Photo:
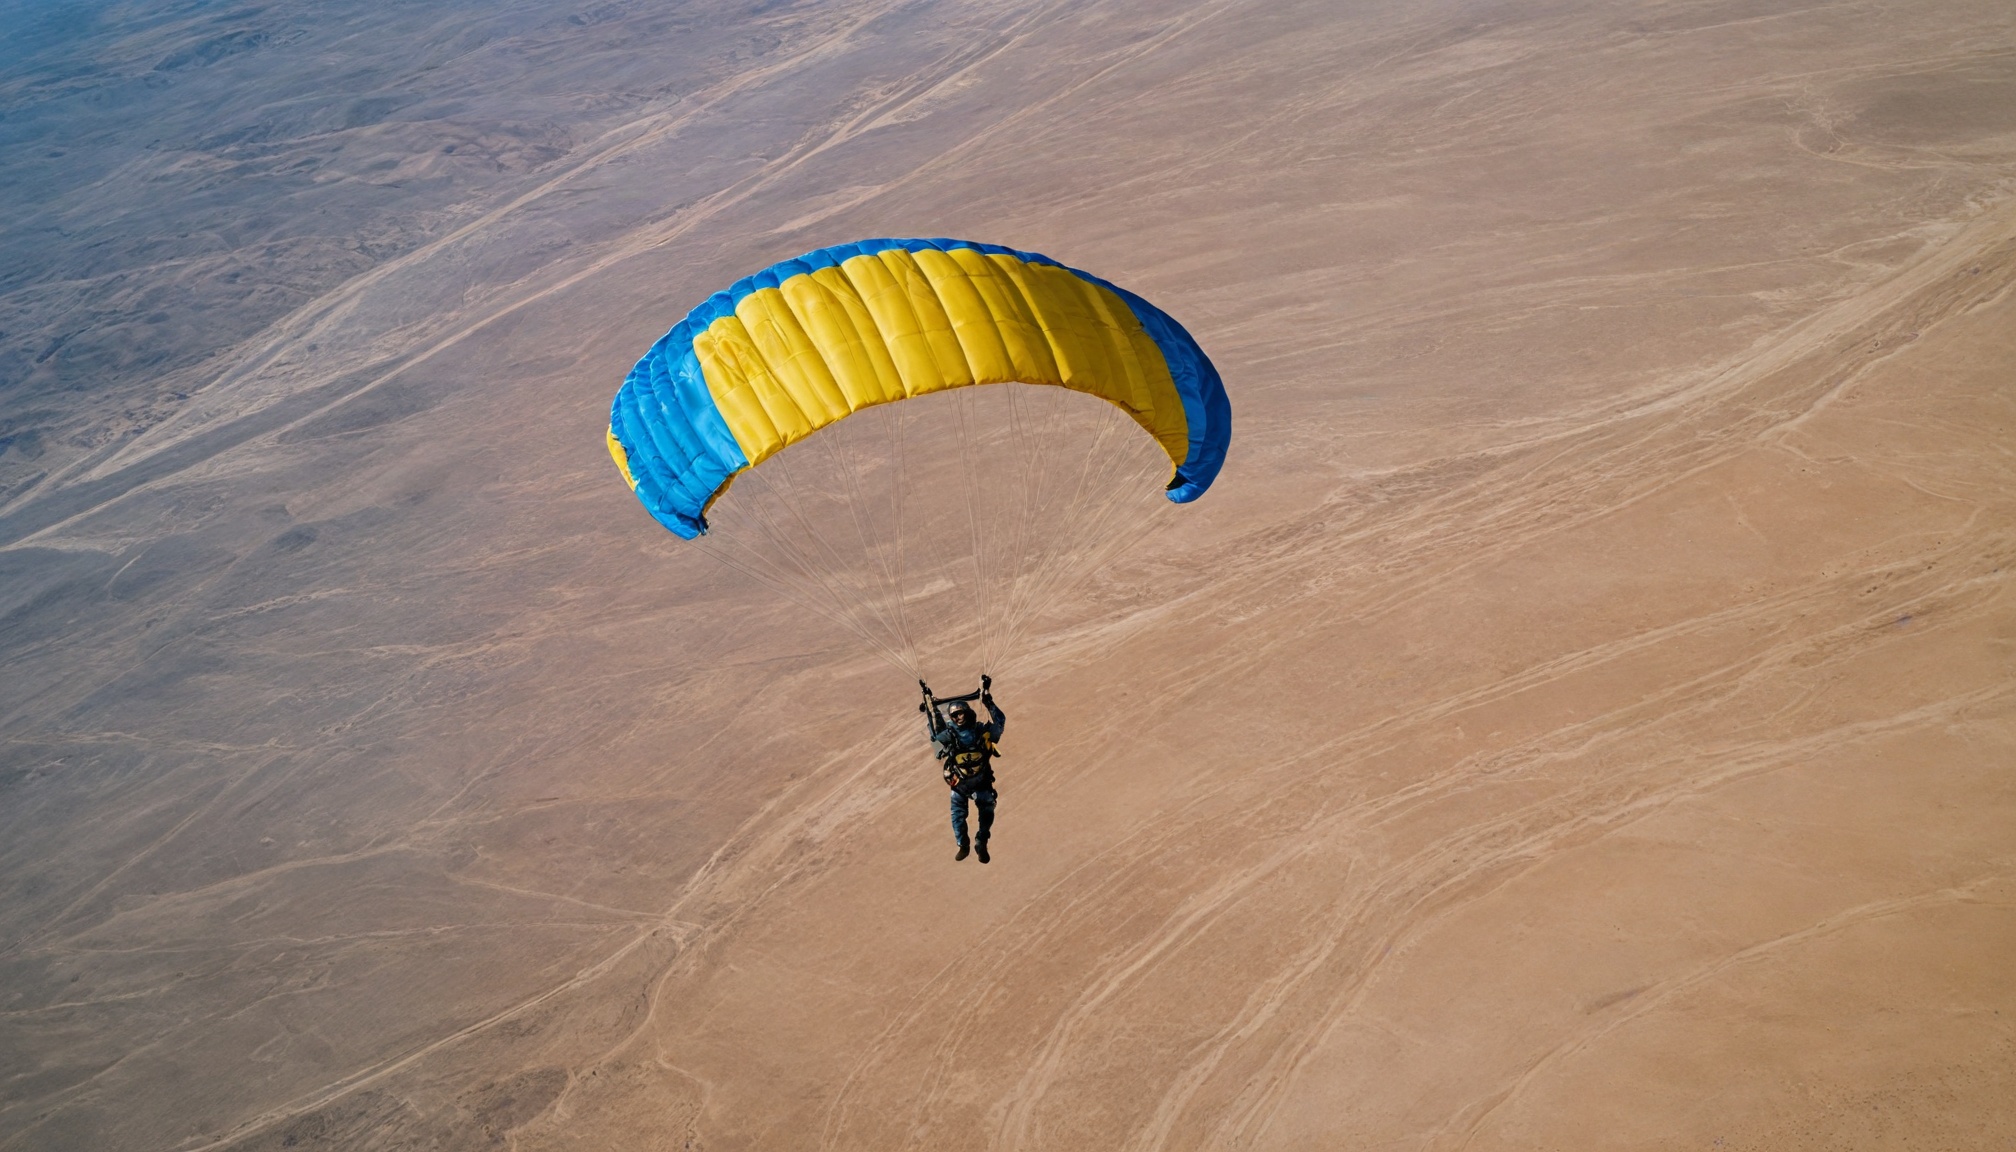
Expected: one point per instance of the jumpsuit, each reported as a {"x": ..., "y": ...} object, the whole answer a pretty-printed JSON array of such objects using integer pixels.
[{"x": 977, "y": 784}]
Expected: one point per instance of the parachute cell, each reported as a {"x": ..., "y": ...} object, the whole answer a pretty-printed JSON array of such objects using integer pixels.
[{"x": 811, "y": 341}]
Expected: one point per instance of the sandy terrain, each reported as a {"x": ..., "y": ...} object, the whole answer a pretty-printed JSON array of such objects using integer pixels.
[{"x": 1582, "y": 716}]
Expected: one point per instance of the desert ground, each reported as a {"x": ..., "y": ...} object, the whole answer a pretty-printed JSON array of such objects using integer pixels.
[{"x": 1582, "y": 716}]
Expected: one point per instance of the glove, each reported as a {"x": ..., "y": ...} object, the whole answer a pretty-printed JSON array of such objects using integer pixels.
[{"x": 986, "y": 682}]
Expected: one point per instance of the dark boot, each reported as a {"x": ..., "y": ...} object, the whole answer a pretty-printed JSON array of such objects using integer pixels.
[
  {"x": 981, "y": 848},
  {"x": 963, "y": 850}
]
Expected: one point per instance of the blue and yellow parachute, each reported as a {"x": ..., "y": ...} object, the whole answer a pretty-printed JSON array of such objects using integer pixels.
[{"x": 811, "y": 341}]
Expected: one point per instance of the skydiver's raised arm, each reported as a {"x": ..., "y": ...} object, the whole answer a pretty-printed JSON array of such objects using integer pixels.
[{"x": 934, "y": 723}]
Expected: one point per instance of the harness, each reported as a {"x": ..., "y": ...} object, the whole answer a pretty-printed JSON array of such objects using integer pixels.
[{"x": 963, "y": 764}]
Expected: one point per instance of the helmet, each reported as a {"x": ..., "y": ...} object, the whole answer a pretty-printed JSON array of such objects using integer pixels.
[{"x": 959, "y": 708}]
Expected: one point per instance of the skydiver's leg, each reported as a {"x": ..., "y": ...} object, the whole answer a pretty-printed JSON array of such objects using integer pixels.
[
  {"x": 984, "y": 801},
  {"x": 959, "y": 821}
]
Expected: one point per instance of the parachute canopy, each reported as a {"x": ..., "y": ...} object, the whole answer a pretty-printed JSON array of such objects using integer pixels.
[{"x": 811, "y": 341}]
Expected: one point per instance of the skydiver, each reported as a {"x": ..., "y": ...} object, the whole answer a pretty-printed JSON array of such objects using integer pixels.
[{"x": 967, "y": 750}]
